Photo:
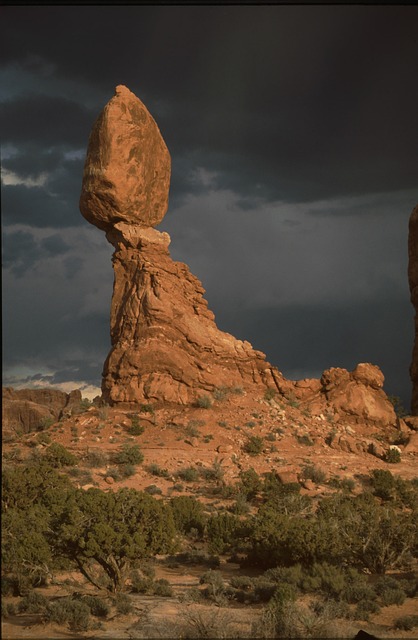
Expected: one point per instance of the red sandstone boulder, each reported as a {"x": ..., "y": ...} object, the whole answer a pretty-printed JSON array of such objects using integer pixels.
[{"x": 127, "y": 169}]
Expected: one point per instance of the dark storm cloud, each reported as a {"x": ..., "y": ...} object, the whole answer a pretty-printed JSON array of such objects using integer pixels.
[
  {"x": 45, "y": 120},
  {"x": 37, "y": 207},
  {"x": 21, "y": 250}
]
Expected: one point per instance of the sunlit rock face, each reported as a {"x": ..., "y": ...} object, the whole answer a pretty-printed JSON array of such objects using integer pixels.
[
  {"x": 127, "y": 169},
  {"x": 413, "y": 286}
]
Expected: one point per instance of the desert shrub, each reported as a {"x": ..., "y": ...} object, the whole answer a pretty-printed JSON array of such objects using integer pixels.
[
  {"x": 129, "y": 454},
  {"x": 123, "y": 604},
  {"x": 389, "y": 591},
  {"x": 45, "y": 423},
  {"x": 163, "y": 588},
  {"x": 33, "y": 602},
  {"x": 406, "y": 623},
  {"x": 245, "y": 583},
  {"x": 147, "y": 408},
  {"x": 58, "y": 456},
  {"x": 204, "y": 402},
  {"x": 127, "y": 470},
  {"x": 291, "y": 575},
  {"x": 249, "y": 483},
  {"x": 188, "y": 474},
  {"x": 269, "y": 394},
  {"x": 222, "y": 531},
  {"x": 254, "y": 445},
  {"x": 393, "y": 455},
  {"x": 241, "y": 506},
  {"x": 220, "y": 393},
  {"x": 153, "y": 490},
  {"x": 136, "y": 429},
  {"x": 214, "y": 473},
  {"x": 312, "y": 472},
  {"x": 215, "y": 584},
  {"x": 155, "y": 470},
  {"x": 43, "y": 438},
  {"x": 72, "y": 612},
  {"x": 305, "y": 440},
  {"x": 383, "y": 483},
  {"x": 96, "y": 459},
  {"x": 188, "y": 514},
  {"x": 97, "y": 606},
  {"x": 365, "y": 608}
]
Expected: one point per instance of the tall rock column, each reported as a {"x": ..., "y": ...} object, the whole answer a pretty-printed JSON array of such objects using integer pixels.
[
  {"x": 165, "y": 343},
  {"x": 413, "y": 285}
]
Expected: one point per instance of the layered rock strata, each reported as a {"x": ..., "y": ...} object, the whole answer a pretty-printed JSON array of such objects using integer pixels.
[{"x": 413, "y": 286}]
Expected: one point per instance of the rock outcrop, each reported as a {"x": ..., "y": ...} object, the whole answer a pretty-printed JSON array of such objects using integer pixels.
[
  {"x": 165, "y": 343},
  {"x": 127, "y": 170},
  {"x": 413, "y": 286},
  {"x": 26, "y": 410}
]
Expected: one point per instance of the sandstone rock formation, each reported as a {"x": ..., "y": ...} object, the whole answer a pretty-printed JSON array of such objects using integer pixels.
[
  {"x": 413, "y": 286},
  {"x": 25, "y": 410},
  {"x": 165, "y": 343},
  {"x": 127, "y": 170}
]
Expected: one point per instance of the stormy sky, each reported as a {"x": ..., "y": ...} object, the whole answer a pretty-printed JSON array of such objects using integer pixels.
[{"x": 293, "y": 133}]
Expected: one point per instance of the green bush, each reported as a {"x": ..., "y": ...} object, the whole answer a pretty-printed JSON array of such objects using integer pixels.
[
  {"x": 188, "y": 474},
  {"x": 127, "y": 470},
  {"x": 123, "y": 604},
  {"x": 249, "y": 483},
  {"x": 155, "y": 470},
  {"x": 365, "y": 608},
  {"x": 406, "y": 623},
  {"x": 389, "y": 591},
  {"x": 254, "y": 445},
  {"x": 312, "y": 472},
  {"x": 58, "y": 456},
  {"x": 153, "y": 490},
  {"x": 204, "y": 402},
  {"x": 269, "y": 394},
  {"x": 163, "y": 588},
  {"x": 383, "y": 483},
  {"x": 33, "y": 603},
  {"x": 136, "y": 429},
  {"x": 72, "y": 612},
  {"x": 188, "y": 514},
  {"x": 97, "y": 606},
  {"x": 96, "y": 459},
  {"x": 393, "y": 456},
  {"x": 222, "y": 531},
  {"x": 129, "y": 454}
]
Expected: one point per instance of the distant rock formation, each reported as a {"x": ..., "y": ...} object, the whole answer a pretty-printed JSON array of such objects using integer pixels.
[
  {"x": 26, "y": 410},
  {"x": 413, "y": 286},
  {"x": 165, "y": 343}
]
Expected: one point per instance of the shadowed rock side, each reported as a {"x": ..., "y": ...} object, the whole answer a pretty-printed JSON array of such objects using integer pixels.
[
  {"x": 413, "y": 286},
  {"x": 165, "y": 343}
]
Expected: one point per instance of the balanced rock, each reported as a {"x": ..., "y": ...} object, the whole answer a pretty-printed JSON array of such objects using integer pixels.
[
  {"x": 165, "y": 343},
  {"x": 127, "y": 169},
  {"x": 413, "y": 286}
]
